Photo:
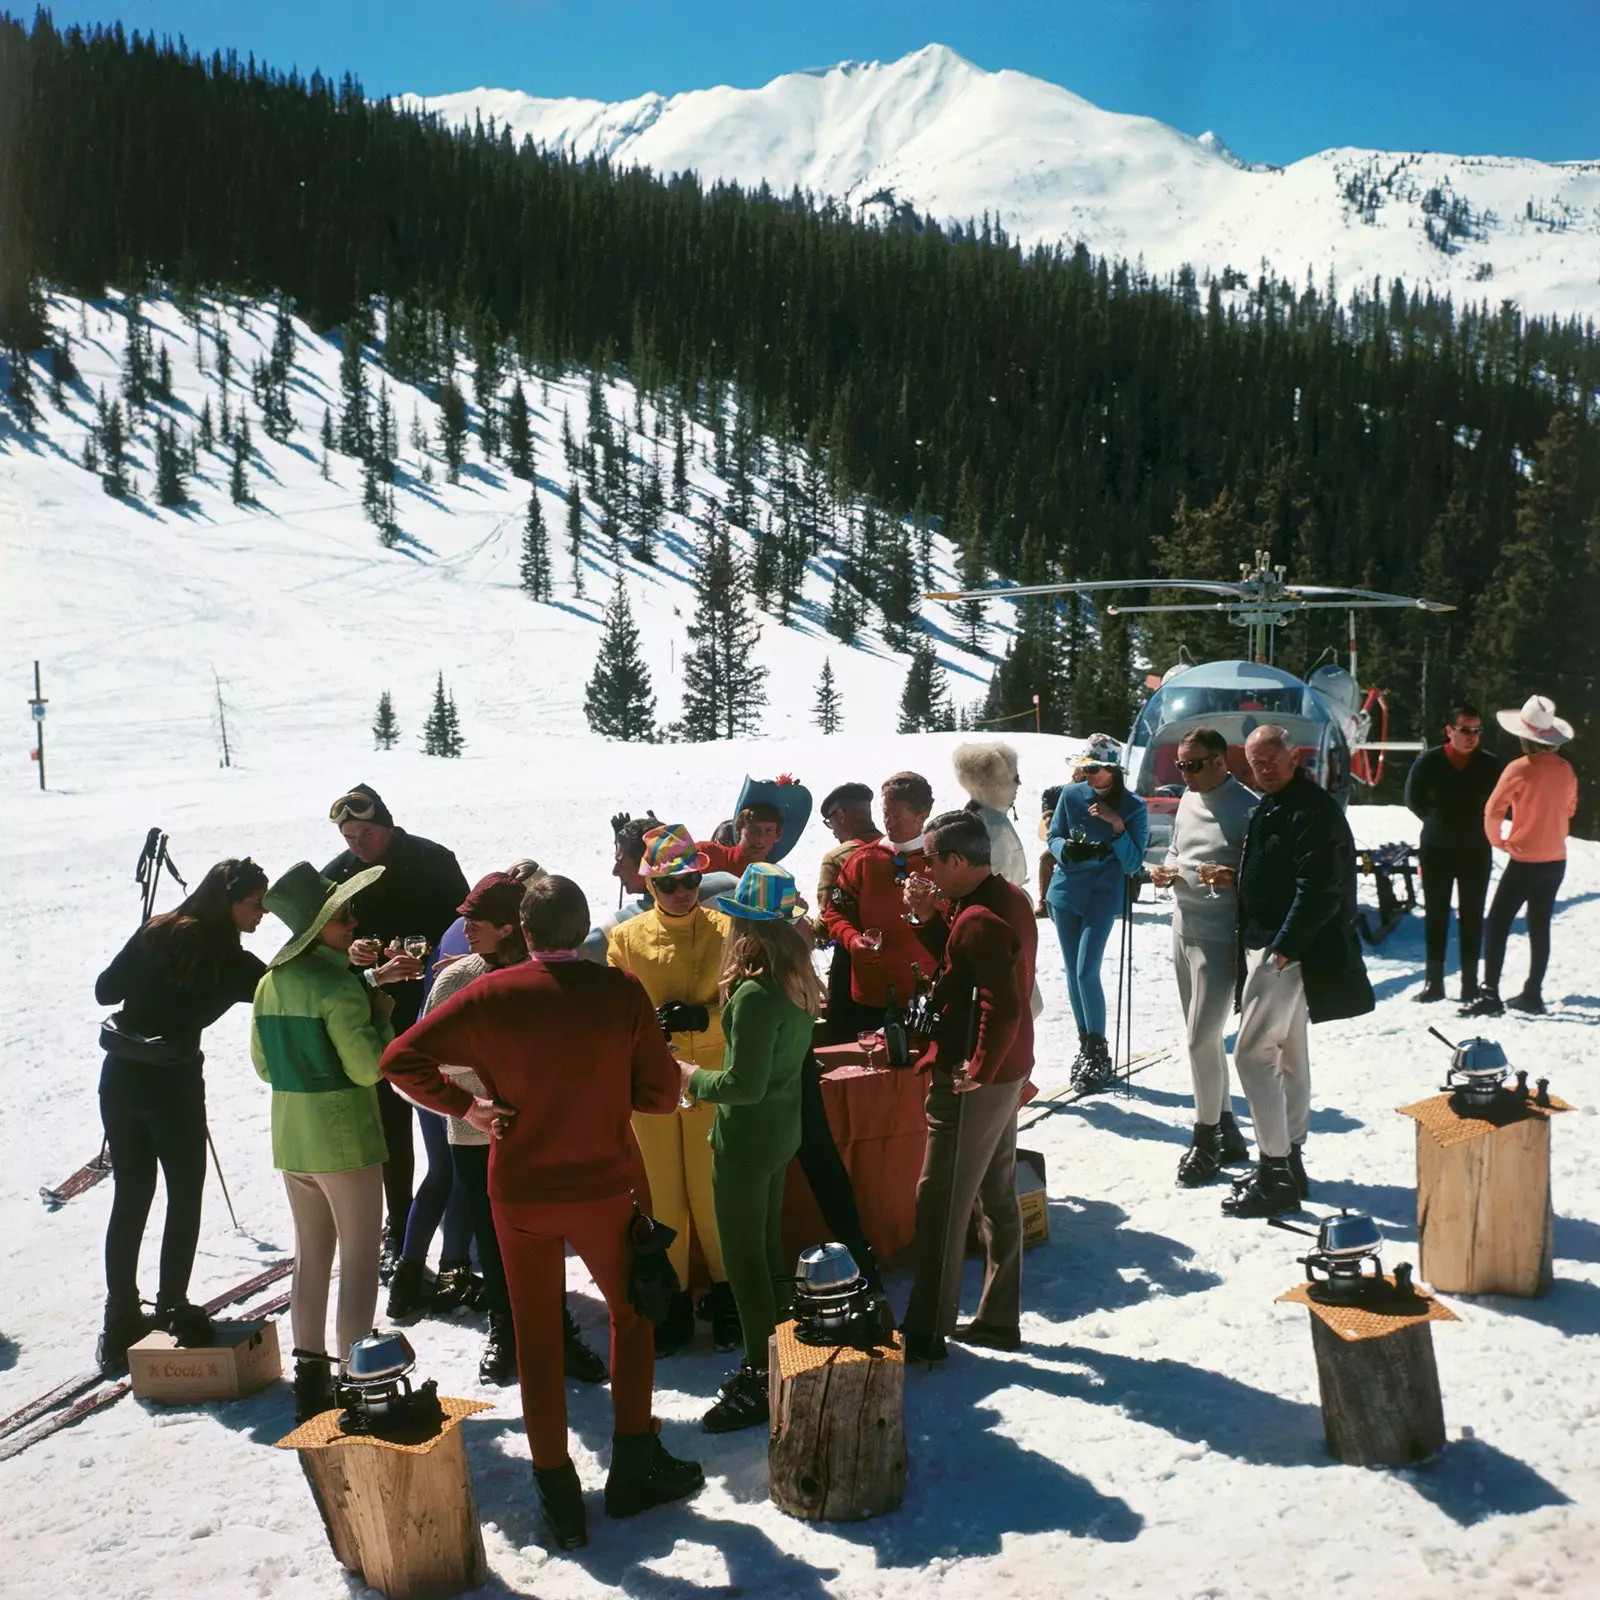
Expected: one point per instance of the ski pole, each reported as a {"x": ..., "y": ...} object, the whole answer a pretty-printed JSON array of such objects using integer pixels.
[{"x": 212, "y": 1144}]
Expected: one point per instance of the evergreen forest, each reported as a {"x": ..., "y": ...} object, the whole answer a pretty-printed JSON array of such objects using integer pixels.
[{"x": 1058, "y": 416}]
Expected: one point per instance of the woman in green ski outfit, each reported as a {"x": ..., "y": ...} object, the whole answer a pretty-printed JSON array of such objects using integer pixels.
[
  {"x": 771, "y": 996},
  {"x": 316, "y": 1035}
]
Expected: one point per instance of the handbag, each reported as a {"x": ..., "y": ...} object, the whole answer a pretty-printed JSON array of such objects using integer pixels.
[
  {"x": 147, "y": 1050},
  {"x": 652, "y": 1282}
]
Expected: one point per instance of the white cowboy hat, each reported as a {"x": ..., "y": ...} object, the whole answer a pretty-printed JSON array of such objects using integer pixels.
[{"x": 1537, "y": 720}]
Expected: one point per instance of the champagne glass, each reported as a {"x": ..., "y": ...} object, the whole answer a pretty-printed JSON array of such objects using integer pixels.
[
  {"x": 871, "y": 939},
  {"x": 416, "y": 945},
  {"x": 1207, "y": 872}
]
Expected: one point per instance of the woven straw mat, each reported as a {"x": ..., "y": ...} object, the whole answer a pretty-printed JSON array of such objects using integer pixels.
[
  {"x": 795, "y": 1357},
  {"x": 1355, "y": 1323},
  {"x": 322, "y": 1432},
  {"x": 1448, "y": 1127}
]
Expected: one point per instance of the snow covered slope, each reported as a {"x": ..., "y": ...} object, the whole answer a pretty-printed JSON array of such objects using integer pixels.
[{"x": 952, "y": 141}]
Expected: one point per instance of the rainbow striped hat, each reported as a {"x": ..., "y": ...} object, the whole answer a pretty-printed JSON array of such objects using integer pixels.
[
  {"x": 764, "y": 894},
  {"x": 670, "y": 852}
]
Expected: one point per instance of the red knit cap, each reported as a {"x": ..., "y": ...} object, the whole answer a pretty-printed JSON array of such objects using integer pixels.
[{"x": 495, "y": 898}]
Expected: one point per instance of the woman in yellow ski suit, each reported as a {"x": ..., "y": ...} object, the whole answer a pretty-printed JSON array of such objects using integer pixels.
[{"x": 675, "y": 950}]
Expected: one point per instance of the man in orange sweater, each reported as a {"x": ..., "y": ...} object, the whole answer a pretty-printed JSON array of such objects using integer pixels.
[
  {"x": 1539, "y": 790},
  {"x": 568, "y": 1052}
]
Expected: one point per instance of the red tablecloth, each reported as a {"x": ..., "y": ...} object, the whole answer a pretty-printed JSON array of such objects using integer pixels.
[{"x": 879, "y": 1125}]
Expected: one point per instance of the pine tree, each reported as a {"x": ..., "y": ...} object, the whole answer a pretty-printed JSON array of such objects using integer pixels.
[
  {"x": 208, "y": 434},
  {"x": 355, "y": 424},
  {"x": 170, "y": 487},
  {"x": 680, "y": 470},
  {"x": 618, "y": 702},
  {"x": 535, "y": 552},
  {"x": 385, "y": 726},
  {"x": 826, "y": 711},
  {"x": 575, "y": 535},
  {"x": 453, "y": 741},
  {"x": 896, "y": 588},
  {"x": 971, "y": 574},
  {"x": 238, "y": 479},
  {"x": 723, "y": 693},
  {"x": 162, "y": 387},
  {"x": 436, "y": 729},
  {"x": 519, "y": 434},
  {"x": 112, "y": 442},
  {"x": 844, "y": 609},
  {"x": 452, "y": 429},
  {"x": 385, "y": 444},
  {"x": 488, "y": 373},
  {"x": 22, "y": 390},
  {"x": 135, "y": 357},
  {"x": 924, "y": 707}
]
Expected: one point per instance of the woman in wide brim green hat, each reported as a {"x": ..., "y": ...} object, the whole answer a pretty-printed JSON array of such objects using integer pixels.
[
  {"x": 771, "y": 996},
  {"x": 316, "y": 1035}
]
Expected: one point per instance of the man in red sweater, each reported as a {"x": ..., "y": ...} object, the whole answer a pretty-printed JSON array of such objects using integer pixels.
[
  {"x": 869, "y": 895},
  {"x": 980, "y": 1058},
  {"x": 759, "y": 827},
  {"x": 568, "y": 1052}
]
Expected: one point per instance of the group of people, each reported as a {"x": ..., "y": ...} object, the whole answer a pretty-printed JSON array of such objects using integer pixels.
[{"x": 550, "y": 1054}]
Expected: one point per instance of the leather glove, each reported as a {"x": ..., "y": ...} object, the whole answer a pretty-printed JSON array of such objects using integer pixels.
[{"x": 678, "y": 1016}]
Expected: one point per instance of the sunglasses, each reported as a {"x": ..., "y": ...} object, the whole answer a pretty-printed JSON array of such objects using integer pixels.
[
  {"x": 353, "y": 808},
  {"x": 678, "y": 883},
  {"x": 1100, "y": 766},
  {"x": 1470, "y": 732},
  {"x": 1194, "y": 766}
]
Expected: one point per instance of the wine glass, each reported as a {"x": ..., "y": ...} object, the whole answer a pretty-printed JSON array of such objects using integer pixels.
[
  {"x": 416, "y": 945},
  {"x": 871, "y": 939},
  {"x": 1207, "y": 872}
]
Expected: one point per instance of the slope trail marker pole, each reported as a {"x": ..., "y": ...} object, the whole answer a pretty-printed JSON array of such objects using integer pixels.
[{"x": 37, "y": 705}]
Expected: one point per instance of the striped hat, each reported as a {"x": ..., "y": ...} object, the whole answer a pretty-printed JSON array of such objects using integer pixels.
[
  {"x": 764, "y": 894},
  {"x": 670, "y": 852}
]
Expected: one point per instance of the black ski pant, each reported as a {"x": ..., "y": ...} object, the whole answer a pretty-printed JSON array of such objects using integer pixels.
[
  {"x": 826, "y": 1172},
  {"x": 153, "y": 1116},
  {"x": 399, "y": 1171},
  {"x": 472, "y": 1169},
  {"x": 846, "y": 1017},
  {"x": 1447, "y": 868},
  {"x": 1530, "y": 883}
]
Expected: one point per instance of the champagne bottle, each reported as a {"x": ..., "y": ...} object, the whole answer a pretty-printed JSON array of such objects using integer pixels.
[{"x": 894, "y": 1032}]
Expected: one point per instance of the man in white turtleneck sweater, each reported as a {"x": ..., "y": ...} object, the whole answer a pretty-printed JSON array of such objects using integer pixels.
[{"x": 1208, "y": 831}]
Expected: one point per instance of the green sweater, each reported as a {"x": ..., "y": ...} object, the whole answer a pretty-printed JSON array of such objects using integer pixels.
[
  {"x": 757, "y": 1093},
  {"x": 314, "y": 1038}
]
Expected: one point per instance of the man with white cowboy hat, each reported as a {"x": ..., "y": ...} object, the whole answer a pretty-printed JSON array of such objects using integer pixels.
[{"x": 1540, "y": 791}]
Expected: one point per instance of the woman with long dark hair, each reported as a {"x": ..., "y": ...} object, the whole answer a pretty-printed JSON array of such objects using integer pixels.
[{"x": 173, "y": 978}]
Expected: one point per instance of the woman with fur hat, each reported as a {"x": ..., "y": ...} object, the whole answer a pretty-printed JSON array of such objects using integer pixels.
[
  {"x": 316, "y": 1035},
  {"x": 1539, "y": 791},
  {"x": 770, "y": 997},
  {"x": 988, "y": 772},
  {"x": 675, "y": 950},
  {"x": 1097, "y": 836}
]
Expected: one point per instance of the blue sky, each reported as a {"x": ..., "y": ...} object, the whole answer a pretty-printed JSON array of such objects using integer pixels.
[{"x": 1276, "y": 78}]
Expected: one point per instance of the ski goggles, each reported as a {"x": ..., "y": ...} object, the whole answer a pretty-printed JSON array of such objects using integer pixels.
[{"x": 353, "y": 808}]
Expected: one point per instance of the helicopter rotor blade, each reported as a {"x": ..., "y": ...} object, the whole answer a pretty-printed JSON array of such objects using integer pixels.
[
  {"x": 1383, "y": 603},
  {"x": 1015, "y": 591},
  {"x": 1193, "y": 605},
  {"x": 1363, "y": 597}
]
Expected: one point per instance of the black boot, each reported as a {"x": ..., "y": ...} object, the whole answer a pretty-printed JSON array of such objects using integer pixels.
[
  {"x": 1202, "y": 1161},
  {"x": 1485, "y": 1003},
  {"x": 498, "y": 1364},
  {"x": 1235, "y": 1152},
  {"x": 1432, "y": 985},
  {"x": 1269, "y": 1192},
  {"x": 125, "y": 1323},
  {"x": 561, "y": 1505},
  {"x": 726, "y": 1332},
  {"x": 675, "y": 1329},
  {"x": 1297, "y": 1167},
  {"x": 1530, "y": 1001},
  {"x": 188, "y": 1324},
  {"x": 411, "y": 1292},
  {"x": 313, "y": 1384},
  {"x": 456, "y": 1285},
  {"x": 1469, "y": 983},
  {"x": 741, "y": 1401},
  {"x": 643, "y": 1474},
  {"x": 1096, "y": 1073},
  {"x": 389, "y": 1255},
  {"x": 578, "y": 1361}
]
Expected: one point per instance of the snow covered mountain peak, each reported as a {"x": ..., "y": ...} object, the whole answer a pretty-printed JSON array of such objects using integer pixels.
[{"x": 935, "y": 133}]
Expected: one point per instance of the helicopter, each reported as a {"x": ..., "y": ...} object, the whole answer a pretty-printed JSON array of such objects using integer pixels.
[{"x": 1328, "y": 718}]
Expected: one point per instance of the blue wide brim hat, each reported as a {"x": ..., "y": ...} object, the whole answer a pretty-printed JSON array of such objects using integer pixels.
[{"x": 764, "y": 894}]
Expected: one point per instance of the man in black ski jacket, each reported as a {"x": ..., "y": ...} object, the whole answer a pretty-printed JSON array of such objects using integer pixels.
[
  {"x": 418, "y": 893},
  {"x": 1448, "y": 788},
  {"x": 1299, "y": 959}
]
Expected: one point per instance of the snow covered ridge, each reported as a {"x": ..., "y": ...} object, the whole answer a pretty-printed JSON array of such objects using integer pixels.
[{"x": 949, "y": 140}]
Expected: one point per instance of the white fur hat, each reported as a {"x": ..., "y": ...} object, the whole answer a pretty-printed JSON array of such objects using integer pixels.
[{"x": 1537, "y": 721}]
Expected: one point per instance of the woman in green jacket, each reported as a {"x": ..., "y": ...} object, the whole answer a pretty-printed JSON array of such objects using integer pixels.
[
  {"x": 771, "y": 996},
  {"x": 316, "y": 1035}
]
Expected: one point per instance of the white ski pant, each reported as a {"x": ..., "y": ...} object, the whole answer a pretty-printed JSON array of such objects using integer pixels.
[
  {"x": 1270, "y": 1053},
  {"x": 343, "y": 1211},
  {"x": 1205, "y": 970}
]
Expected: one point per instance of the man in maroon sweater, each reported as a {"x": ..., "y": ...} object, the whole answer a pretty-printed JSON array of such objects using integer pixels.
[
  {"x": 568, "y": 1052},
  {"x": 980, "y": 1059}
]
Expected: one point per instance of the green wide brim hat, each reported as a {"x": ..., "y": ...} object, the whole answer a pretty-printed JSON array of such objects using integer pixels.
[
  {"x": 764, "y": 894},
  {"x": 304, "y": 899}
]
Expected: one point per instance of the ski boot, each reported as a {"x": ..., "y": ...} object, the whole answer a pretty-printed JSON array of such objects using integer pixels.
[
  {"x": 741, "y": 1401},
  {"x": 1202, "y": 1161},
  {"x": 125, "y": 1323},
  {"x": 188, "y": 1324},
  {"x": 561, "y": 1505},
  {"x": 389, "y": 1255},
  {"x": 1270, "y": 1191},
  {"x": 411, "y": 1292},
  {"x": 643, "y": 1474},
  {"x": 457, "y": 1285},
  {"x": 1297, "y": 1167},
  {"x": 1432, "y": 986},
  {"x": 726, "y": 1332},
  {"x": 675, "y": 1329},
  {"x": 1235, "y": 1152},
  {"x": 313, "y": 1384},
  {"x": 498, "y": 1364},
  {"x": 578, "y": 1361},
  {"x": 1485, "y": 1003},
  {"x": 1529, "y": 1001},
  {"x": 1097, "y": 1073}
]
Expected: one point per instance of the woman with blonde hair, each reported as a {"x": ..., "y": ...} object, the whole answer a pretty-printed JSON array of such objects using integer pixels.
[
  {"x": 770, "y": 998},
  {"x": 675, "y": 950}
]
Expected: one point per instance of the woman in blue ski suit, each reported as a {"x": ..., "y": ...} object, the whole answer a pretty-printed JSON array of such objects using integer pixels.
[{"x": 1098, "y": 836}]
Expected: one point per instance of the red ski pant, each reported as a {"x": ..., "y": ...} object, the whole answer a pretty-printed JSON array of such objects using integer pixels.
[{"x": 533, "y": 1236}]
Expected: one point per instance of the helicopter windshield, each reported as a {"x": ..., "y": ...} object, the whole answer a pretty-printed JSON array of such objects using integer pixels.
[{"x": 1183, "y": 702}]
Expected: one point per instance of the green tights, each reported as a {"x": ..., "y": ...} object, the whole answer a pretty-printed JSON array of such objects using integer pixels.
[{"x": 749, "y": 1205}]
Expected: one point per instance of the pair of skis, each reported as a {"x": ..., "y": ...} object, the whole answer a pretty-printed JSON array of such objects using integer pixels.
[
  {"x": 75, "y": 1399},
  {"x": 86, "y": 1177},
  {"x": 1038, "y": 1109}
]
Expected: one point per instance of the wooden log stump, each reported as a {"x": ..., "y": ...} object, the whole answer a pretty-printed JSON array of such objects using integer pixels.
[
  {"x": 1485, "y": 1223},
  {"x": 402, "y": 1515},
  {"x": 838, "y": 1447}
]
